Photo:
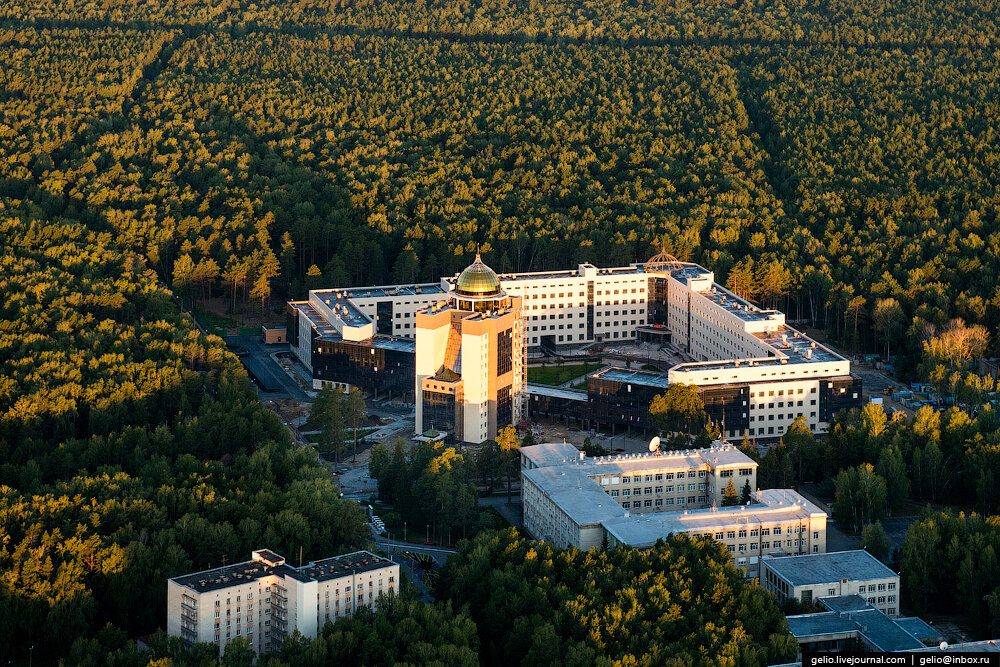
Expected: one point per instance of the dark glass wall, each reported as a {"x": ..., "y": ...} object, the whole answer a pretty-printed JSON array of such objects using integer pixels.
[
  {"x": 439, "y": 410},
  {"x": 364, "y": 365},
  {"x": 839, "y": 394}
]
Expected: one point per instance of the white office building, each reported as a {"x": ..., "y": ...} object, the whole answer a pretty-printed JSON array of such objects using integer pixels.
[
  {"x": 756, "y": 374},
  {"x": 634, "y": 500}
]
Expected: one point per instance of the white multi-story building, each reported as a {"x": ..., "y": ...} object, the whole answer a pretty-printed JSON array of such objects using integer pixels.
[
  {"x": 264, "y": 599},
  {"x": 808, "y": 578},
  {"x": 634, "y": 500},
  {"x": 756, "y": 374}
]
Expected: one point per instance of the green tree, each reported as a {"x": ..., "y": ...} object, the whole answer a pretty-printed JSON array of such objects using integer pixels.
[
  {"x": 861, "y": 497},
  {"x": 892, "y": 468},
  {"x": 729, "y": 494},
  {"x": 679, "y": 409},
  {"x": 510, "y": 448},
  {"x": 327, "y": 415},
  {"x": 875, "y": 541}
]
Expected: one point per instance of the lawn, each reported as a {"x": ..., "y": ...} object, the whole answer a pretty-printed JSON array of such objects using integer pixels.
[{"x": 556, "y": 375}]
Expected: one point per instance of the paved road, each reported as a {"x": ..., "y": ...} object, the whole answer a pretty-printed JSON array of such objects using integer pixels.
[
  {"x": 439, "y": 554},
  {"x": 262, "y": 354}
]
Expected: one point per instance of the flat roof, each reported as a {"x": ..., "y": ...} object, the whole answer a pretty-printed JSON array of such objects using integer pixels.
[
  {"x": 378, "y": 342},
  {"x": 796, "y": 345},
  {"x": 549, "y": 454},
  {"x": 828, "y": 568},
  {"x": 918, "y": 628},
  {"x": 630, "y": 376},
  {"x": 251, "y": 570},
  {"x": 229, "y": 575},
  {"x": 733, "y": 304},
  {"x": 882, "y": 632},
  {"x": 577, "y": 495},
  {"x": 382, "y": 291},
  {"x": 557, "y": 392},
  {"x": 770, "y": 506},
  {"x": 566, "y": 454},
  {"x": 339, "y": 566}
]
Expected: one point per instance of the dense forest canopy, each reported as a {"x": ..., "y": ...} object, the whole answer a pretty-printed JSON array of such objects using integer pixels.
[{"x": 837, "y": 160}]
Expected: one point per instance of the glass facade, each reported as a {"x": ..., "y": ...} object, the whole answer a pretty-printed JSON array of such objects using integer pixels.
[
  {"x": 439, "y": 410},
  {"x": 364, "y": 365}
]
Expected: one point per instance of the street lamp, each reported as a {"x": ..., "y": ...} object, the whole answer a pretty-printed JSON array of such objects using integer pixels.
[
  {"x": 428, "y": 533},
  {"x": 31, "y": 654},
  {"x": 404, "y": 531}
]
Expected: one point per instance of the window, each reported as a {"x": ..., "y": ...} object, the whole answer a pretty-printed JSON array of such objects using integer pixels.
[
  {"x": 718, "y": 536},
  {"x": 659, "y": 489},
  {"x": 892, "y": 599},
  {"x": 626, "y": 504},
  {"x": 743, "y": 532},
  {"x": 731, "y": 534},
  {"x": 881, "y": 587},
  {"x": 892, "y": 585},
  {"x": 648, "y": 503},
  {"x": 831, "y": 591},
  {"x": 626, "y": 479}
]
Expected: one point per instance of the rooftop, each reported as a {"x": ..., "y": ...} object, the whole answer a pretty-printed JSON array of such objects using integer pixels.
[
  {"x": 733, "y": 304},
  {"x": 854, "y": 615},
  {"x": 770, "y": 506},
  {"x": 832, "y": 567},
  {"x": 557, "y": 392},
  {"x": 629, "y": 376},
  {"x": 378, "y": 342},
  {"x": 248, "y": 571},
  {"x": 555, "y": 454},
  {"x": 797, "y": 346},
  {"x": 339, "y": 566},
  {"x": 576, "y": 494}
]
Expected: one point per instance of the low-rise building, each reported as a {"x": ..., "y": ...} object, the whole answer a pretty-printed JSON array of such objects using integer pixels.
[
  {"x": 264, "y": 599},
  {"x": 634, "y": 500},
  {"x": 810, "y": 577},
  {"x": 852, "y": 624}
]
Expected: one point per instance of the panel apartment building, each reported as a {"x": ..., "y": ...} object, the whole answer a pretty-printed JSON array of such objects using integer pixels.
[
  {"x": 755, "y": 373},
  {"x": 634, "y": 500},
  {"x": 264, "y": 599}
]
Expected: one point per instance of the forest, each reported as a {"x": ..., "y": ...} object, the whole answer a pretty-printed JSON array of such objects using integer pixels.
[{"x": 836, "y": 160}]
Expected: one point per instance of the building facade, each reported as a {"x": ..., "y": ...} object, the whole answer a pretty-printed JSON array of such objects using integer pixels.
[
  {"x": 634, "y": 500},
  {"x": 810, "y": 577},
  {"x": 756, "y": 374},
  {"x": 263, "y": 600},
  {"x": 470, "y": 370}
]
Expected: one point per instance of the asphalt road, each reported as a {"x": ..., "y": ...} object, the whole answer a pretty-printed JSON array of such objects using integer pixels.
[{"x": 262, "y": 354}]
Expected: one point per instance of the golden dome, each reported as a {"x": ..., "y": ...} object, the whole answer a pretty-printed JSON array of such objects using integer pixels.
[{"x": 478, "y": 280}]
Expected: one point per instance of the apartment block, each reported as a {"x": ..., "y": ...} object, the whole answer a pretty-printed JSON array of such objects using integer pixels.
[{"x": 264, "y": 599}]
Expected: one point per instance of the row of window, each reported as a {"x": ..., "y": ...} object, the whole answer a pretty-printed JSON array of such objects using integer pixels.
[
  {"x": 660, "y": 502},
  {"x": 650, "y": 490}
]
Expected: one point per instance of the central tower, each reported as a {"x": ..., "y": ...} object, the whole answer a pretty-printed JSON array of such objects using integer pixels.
[{"x": 469, "y": 358}]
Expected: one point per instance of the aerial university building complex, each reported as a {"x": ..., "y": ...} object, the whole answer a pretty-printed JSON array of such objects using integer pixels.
[{"x": 458, "y": 347}]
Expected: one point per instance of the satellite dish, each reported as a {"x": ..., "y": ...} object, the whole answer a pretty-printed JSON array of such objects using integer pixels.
[{"x": 654, "y": 444}]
